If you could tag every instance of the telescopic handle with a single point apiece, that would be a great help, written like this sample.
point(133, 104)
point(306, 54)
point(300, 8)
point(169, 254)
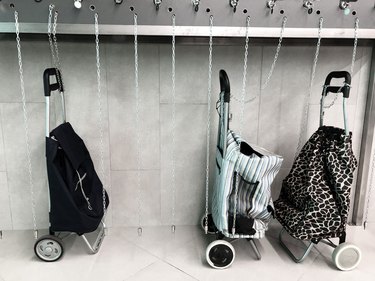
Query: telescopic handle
point(224, 85)
point(336, 89)
point(48, 87)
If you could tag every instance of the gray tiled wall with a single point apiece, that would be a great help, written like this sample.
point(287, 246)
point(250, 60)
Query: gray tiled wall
point(272, 119)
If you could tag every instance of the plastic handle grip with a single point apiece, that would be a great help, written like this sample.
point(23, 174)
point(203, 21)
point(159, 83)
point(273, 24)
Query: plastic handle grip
point(224, 85)
point(48, 87)
point(335, 89)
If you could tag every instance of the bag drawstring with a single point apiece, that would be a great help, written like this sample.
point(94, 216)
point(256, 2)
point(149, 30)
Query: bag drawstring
point(80, 179)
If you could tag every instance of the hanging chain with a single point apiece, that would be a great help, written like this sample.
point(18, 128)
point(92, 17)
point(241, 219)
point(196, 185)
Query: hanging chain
point(276, 54)
point(173, 120)
point(242, 99)
point(307, 97)
point(57, 57)
point(137, 109)
point(51, 7)
point(243, 92)
point(99, 93)
point(208, 122)
point(352, 64)
point(25, 119)
point(244, 75)
point(355, 45)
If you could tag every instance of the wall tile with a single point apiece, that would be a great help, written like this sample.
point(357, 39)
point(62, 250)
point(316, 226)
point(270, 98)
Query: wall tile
point(5, 212)
point(33, 67)
point(15, 153)
point(2, 148)
point(125, 198)
point(122, 104)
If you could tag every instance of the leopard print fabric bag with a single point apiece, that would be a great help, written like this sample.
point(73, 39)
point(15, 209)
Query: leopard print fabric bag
point(314, 198)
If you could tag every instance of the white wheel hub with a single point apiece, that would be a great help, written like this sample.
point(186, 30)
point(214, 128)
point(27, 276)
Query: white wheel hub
point(48, 249)
point(220, 254)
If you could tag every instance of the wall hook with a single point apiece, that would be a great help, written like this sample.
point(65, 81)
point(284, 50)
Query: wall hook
point(195, 4)
point(157, 4)
point(345, 5)
point(78, 4)
point(234, 4)
point(271, 4)
point(309, 6)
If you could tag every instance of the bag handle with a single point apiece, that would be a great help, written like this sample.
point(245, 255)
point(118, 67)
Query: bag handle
point(336, 89)
point(48, 87)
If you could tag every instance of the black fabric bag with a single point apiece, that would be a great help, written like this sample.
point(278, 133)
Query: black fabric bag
point(76, 192)
point(314, 198)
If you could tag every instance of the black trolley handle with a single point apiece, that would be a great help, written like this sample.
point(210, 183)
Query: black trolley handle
point(49, 88)
point(345, 90)
point(224, 110)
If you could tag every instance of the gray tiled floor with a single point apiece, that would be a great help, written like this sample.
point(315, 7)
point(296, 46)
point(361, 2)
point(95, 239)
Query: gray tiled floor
point(160, 255)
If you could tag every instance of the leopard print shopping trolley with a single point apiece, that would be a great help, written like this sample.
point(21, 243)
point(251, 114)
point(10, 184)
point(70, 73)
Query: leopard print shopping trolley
point(314, 199)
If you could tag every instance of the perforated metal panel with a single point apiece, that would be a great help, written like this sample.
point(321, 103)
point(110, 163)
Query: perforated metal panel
point(118, 18)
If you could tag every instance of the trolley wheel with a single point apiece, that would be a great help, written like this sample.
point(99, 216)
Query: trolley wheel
point(346, 256)
point(220, 254)
point(49, 248)
point(211, 226)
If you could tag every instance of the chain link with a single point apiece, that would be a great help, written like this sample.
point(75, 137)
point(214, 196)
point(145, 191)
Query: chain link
point(355, 45)
point(276, 54)
point(99, 94)
point(208, 122)
point(243, 92)
point(55, 56)
point(303, 129)
point(137, 109)
point(26, 126)
point(51, 7)
point(173, 121)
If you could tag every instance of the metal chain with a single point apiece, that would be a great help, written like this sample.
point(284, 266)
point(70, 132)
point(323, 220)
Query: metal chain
point(173, 121)
point(56, 48)
point(137, 109)
point(242, 99)
point(208, 122)
point(100, 107)
point(355, 45)
point(26, 126)
point(307, 97)
point(51, 7)
point(276, 54)
point(243, 92)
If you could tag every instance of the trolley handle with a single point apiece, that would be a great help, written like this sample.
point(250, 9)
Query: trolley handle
point(336, 89)
point(224, 85)
point(48, 87)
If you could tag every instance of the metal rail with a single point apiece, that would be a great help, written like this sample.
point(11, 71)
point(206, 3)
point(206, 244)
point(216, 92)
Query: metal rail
point(118, 18)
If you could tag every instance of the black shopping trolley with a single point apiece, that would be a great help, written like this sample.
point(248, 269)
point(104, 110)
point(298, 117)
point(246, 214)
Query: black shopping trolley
point(77, 197)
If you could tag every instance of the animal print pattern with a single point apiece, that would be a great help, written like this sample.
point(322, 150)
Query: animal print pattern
point(314, 198)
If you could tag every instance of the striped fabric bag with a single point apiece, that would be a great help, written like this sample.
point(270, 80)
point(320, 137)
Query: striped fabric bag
point(257, 169)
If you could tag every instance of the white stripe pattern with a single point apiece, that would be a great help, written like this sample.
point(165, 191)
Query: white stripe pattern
point(257, 172)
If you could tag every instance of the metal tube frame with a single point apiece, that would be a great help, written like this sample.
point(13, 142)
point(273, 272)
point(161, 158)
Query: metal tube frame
point(252, 244)
point(307, 249)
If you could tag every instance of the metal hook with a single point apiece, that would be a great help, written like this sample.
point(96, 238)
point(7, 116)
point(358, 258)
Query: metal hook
point(271, 4)
point(309, 6)
point(234, 4)
point(195, 4)
point(157, 4)
point(345, 5)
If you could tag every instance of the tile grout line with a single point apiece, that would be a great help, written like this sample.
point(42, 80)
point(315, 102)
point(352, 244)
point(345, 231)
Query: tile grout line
point(143, 268)
point(180, 270)
point(6, 167)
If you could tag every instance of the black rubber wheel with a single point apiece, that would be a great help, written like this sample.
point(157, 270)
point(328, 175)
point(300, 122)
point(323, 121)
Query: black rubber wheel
point(220, 254)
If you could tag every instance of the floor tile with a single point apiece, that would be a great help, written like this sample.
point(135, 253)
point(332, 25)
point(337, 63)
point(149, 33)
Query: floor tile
point(160, 271)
